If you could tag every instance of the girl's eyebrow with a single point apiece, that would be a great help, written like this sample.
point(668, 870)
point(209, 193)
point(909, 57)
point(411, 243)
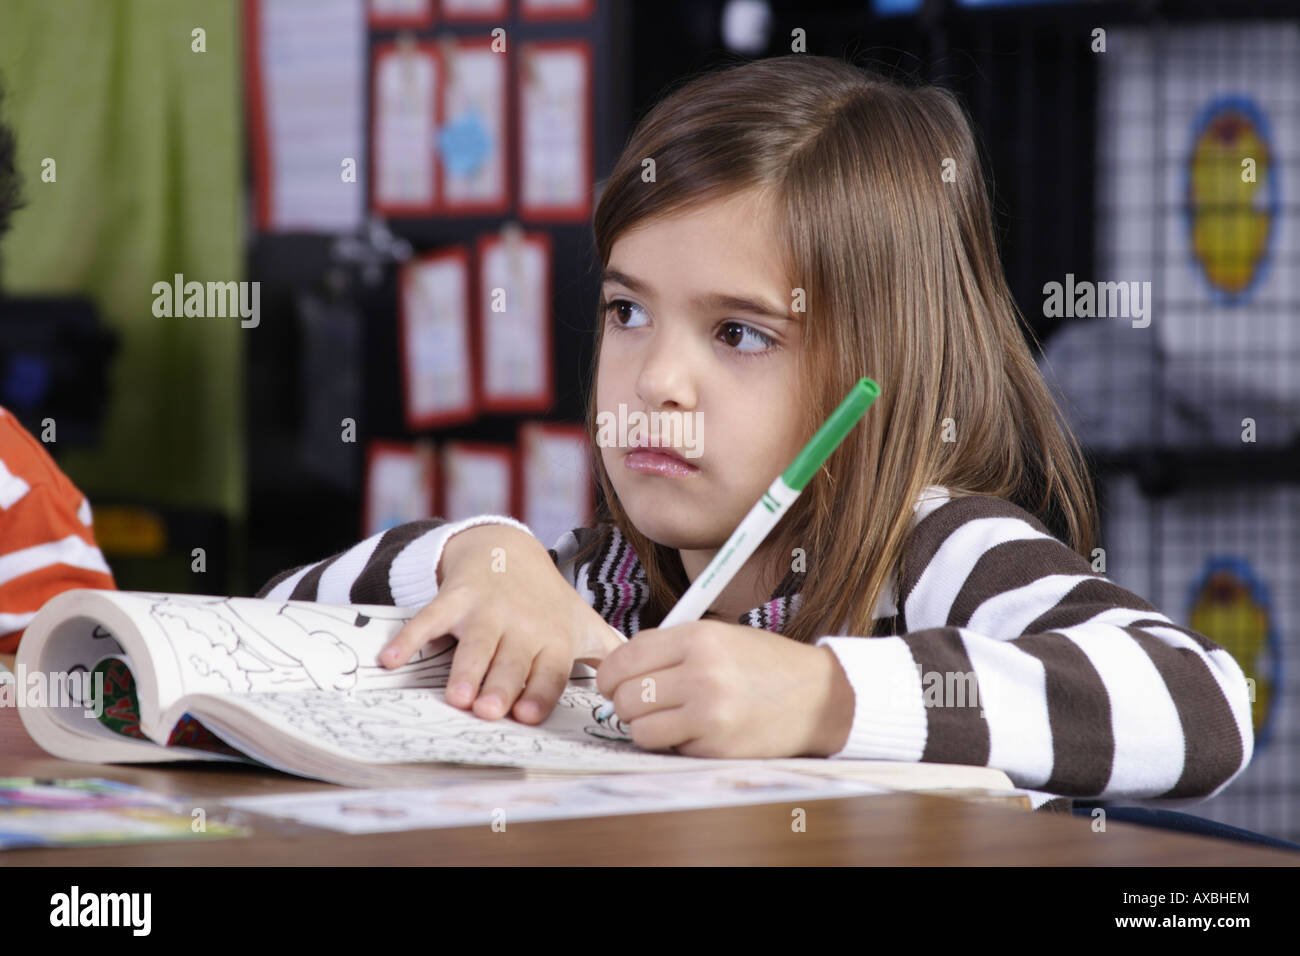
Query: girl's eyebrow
point(714, 301)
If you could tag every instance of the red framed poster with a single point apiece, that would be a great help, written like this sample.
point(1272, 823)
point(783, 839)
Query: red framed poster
point(437, 350)
point(474, 140)
point(515, 371)
point(478, 478)
point(400, 485)
point(304, 72)
point(405, 115)
point(555, 117)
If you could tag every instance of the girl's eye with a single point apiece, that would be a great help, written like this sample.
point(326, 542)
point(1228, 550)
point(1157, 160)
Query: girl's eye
point(733, 332)
point(766, 340)
point(618, 304)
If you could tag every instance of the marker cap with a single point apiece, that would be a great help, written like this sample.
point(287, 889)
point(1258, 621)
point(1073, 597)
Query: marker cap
point(829, 436)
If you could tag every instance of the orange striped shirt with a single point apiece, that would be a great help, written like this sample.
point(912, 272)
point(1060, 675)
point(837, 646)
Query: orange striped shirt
point(47, 544)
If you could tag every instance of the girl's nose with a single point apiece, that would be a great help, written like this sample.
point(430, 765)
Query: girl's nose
point(666, 377)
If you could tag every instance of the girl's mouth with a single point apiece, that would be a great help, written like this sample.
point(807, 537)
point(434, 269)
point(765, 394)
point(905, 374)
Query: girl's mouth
point(649, 462)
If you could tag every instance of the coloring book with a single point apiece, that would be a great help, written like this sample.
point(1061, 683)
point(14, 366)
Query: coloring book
point(297, 686)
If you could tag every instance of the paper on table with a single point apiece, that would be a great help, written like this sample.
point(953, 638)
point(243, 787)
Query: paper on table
point(37, 826)
point(474, 804)
point(76, 793)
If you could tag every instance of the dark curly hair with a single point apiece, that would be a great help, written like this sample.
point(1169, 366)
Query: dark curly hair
point(10, 197)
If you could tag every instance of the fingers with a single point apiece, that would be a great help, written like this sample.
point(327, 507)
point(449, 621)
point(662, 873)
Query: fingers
point(479, 637)
point(645, 694)
point(654, 649)
point(496, 669)
point(669, 729)
point(505, 681)
point(546, 684)
point(435, 619)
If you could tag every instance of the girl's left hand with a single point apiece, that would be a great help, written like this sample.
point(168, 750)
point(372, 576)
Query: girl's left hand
point(712, 689)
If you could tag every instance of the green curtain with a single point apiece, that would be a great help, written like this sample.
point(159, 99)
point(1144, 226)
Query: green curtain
point(147, 140)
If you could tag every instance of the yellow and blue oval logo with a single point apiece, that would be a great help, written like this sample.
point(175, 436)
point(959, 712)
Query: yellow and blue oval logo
point(1231, 220)
point(1231, 606)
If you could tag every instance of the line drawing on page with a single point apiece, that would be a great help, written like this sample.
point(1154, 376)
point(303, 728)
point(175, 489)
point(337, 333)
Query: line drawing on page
point(235, 645)
point(416, 725)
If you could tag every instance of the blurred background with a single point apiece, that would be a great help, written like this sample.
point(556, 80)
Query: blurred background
point(378, 176)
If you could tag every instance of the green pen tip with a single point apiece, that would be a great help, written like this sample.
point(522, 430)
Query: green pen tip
point(829, 436)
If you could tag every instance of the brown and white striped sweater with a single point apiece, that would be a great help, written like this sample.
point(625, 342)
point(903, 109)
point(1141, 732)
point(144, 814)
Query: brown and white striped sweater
point(1001, 648)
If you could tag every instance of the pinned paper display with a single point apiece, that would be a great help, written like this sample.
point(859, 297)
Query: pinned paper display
point(406, 83)
point(306, 76)
point(472, 140)
point(436, 350)
point(514, 295)
point(401, 484)
point(478, 479)
point(555, 131)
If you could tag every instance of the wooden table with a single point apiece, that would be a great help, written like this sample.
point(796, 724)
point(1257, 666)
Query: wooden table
point(904, 829)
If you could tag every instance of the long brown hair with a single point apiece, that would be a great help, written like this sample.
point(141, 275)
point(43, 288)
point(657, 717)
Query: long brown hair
point(902, 280)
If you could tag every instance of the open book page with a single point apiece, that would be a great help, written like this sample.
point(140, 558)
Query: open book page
point(180, 645)
point(215, 645)
point(319, 732)
point(246, 645)
point(60, 650)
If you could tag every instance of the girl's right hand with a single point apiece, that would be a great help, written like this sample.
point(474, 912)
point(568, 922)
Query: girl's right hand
point(518, 623)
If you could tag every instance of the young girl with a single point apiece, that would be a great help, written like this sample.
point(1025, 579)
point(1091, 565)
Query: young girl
point(771, 233)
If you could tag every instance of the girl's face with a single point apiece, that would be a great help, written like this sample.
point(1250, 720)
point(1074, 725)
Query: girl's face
point(698, 322)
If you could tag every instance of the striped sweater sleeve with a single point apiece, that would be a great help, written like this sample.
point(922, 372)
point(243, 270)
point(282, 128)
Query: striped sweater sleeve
point(395, 567)
point(1013, 653)
point(398, 566)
